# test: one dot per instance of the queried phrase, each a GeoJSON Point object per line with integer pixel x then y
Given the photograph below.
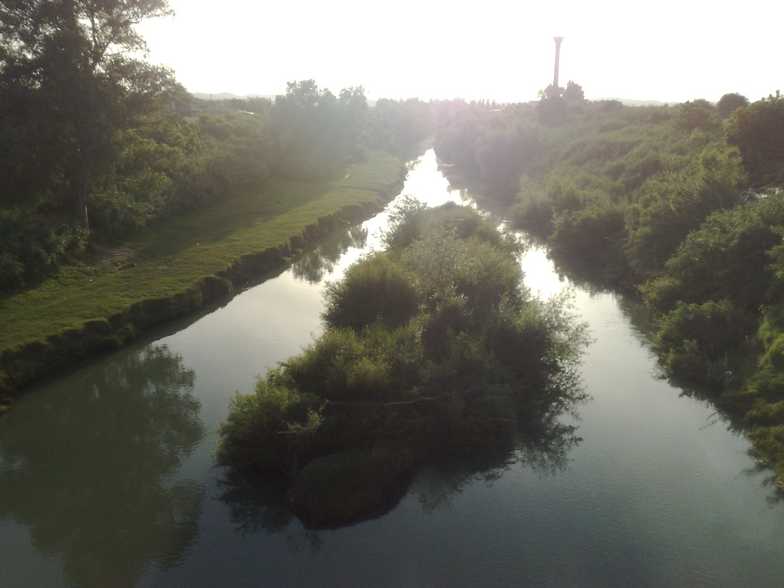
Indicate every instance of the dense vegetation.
{"type": "Point", "coordinates": [166, 165]}
{"type": "Point", "coordinates": [431, 347]}
{"type": "Point", "coordinates": [93, 148]}
{"type": "Point", "coordinates": [679, 205]}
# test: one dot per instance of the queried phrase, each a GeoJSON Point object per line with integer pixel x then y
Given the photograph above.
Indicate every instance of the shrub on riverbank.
{"type": "Point", "coordinates": [386, 391]}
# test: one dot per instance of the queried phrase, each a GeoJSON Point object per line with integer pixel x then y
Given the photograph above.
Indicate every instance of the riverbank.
{"type": "Point", "coordinates": [108, 481]}
{"type": "Point", "coordinates": [172, 270]}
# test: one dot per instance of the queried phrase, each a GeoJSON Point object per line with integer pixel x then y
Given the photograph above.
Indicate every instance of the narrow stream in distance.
{"type": "Point", "coordinates": [107, 476]}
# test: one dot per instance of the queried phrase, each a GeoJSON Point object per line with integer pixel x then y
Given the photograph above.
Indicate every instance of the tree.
{"type": "Point", "coordinates": [551, 92]}
{"type": "Point", "coordinates": [697, 114]}
{"type": "Point", "coordinates": [552, 106]}
{"type": "Point", "coordinates": [758, 132]}
{"type": "Point", "coordinates": [315, 133]}
{"type": "Point", "coordinates": [67, 72]}
{"type": "Point", "coordinates": [729, 103]}
{"type": "Point", "coordinates": [573, 93]}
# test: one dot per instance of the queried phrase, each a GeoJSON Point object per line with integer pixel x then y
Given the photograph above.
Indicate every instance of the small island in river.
{"type": "Point", "coordinates": [432, 347]}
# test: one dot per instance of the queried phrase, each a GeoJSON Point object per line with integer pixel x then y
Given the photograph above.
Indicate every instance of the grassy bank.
{"type": "Point", "coordinates": [173, 269]}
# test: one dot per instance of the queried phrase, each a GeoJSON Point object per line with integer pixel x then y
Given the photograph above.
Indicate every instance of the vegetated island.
{"type": "Point", "coordinates": [680, 207]}
{"type": "Point", "coordinates": [432, 347]}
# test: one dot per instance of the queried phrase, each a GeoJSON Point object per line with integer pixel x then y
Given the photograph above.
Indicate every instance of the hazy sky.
{"type": "Point", "coordinates": [668, 50]}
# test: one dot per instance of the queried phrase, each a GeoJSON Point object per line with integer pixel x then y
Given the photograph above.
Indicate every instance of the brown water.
{"type": "Point", "coordinates": [107, 476]}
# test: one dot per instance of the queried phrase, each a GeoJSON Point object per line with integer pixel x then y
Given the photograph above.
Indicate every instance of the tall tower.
{"type": "Point", "coordinates": [557, 59]}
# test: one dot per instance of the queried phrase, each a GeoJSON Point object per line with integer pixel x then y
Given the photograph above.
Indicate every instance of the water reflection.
{"type": "Point", "coordinates": [258, 503]}
{"type": "Point", "coordinates": [643, 328]}
{"type": "Point", "coordinates": [313, 266]}
{"type": "Point", "coordinates": [88, 470]}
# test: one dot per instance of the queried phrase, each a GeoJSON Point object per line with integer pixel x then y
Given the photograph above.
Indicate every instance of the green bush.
{"type": "Point", "coordinates": [533, 210]}
{"type": "Point", "coordinates": [697, 340]}
{"type": "Point", "coordinates": [270, 428]}
{"type": "Point", "coordinates": [33, 246]}
{"type": "Point", "coordinates": [731, 102]}
{"type": "Point", "coordinates": [376, 364]}
{"type": "Point", "coordinates": [672, 205]}
{"type": "Point", "coordinates": [375, 289]}
{"type": "Point", "coordinates": [698, 114]}
{"type": "Point", "coordinates": [728, 257]}
{"type": "Point", "coordinates": [758, 132]}
{"type": "Point", "coordinates": [592, 234]}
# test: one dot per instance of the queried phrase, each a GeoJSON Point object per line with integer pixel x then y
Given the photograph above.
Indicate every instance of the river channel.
{"type": "Point", "coordinates": [107, 476]}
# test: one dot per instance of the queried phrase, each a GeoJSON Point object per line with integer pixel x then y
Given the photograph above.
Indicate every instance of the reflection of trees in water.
{"type": "Point", "coordinates": [546, 454]}
{"type": "Point", "coordinates": [256, 503]}
{"type": "Point", "coordinates": [769, 481]}
{"type": "Point", "coordinates": [88, 468]}
{"type": "Point", "coordinates": [644, 327]}
{"type": "Point", "coordinates": [322, 260]}
{"type": "Point", "coordinates": [259, 503]}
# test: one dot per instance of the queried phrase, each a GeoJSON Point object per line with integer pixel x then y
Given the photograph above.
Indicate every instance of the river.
{"type": "Point", "coordinates": [107, 476]}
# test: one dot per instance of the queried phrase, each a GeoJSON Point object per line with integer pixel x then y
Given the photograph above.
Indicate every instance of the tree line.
{"type": "Point", "coordinates": [679, 206]}
{"type": "Point", "coordinates": [92, 150]}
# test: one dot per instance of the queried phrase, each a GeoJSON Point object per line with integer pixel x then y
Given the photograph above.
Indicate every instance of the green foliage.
{"type": "Point", "coordinates": [411, 220]}
{"type": "Point", "coordinates": [173, 269]}
{"type": "Point", "coordinates": [728, 257]}
{"type": "Point", "coordinates": [533, 210]}
{"type": "Point", "coordinates": [697, 340]}
{"type": "Point", "coordinates": [374, 289]}
{"type": "Point", "coordinates": [698, 114]}
{"type": "Point", "coordinates": [672, 205]}
{"type": "Point", "coordinates": [447, 265]}
{"type": "Point", "coordinates": [269, 428]}
{"type": "Point", "coordinates": [476, 360]}
{"type": "Point", "coordinates": [729, 103]}
{"type": "Point", "coordinates": [322, 496]}
{"type": "Point", "coordinates": [658, 199]}
{"type": "Point", "coordinates": [314, 134]}
{"type": "Point", "coordinates": [400, 126]}
{"type": "Point", "coordinates": [376, 364]}
{"type": "Point", "coordinates": [66, 70]}
{"type": "Point", "coordinates": [489, 146]}
{"type": "Point", "coordinates": [591, 234]}
{"type": "Point", "coordinates": [33, 247]}
{"type": "Point", "coordinates": [758, 132]}
{"type": "Point", "coordinates": [763, 390]}
{"type": "Point", "coordinates": [551, 109]}
{"type": "Point", "coordinates": [151, 165]}
{"type": "Point", "coordinates": [573, 93]}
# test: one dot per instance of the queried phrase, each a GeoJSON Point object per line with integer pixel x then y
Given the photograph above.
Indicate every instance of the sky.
{"type": "Point", "coordinates": [668, 50]}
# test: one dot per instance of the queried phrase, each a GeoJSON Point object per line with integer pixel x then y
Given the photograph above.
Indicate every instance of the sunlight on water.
{"type": "Point", "coordinates": [540, 276]}
{"type": "Point", "coordinates": [432, 189]}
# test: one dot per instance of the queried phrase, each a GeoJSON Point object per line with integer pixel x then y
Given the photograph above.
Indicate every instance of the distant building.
{"type": "Point", "coordinates": [557, 59]}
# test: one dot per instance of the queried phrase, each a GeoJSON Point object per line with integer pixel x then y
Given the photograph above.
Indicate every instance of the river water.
{"type": "Point", "coordinates": [107, 476]}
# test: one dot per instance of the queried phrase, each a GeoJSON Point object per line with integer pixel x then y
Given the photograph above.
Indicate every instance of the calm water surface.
{"type": "Point", "coordinates": [107, 476]}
